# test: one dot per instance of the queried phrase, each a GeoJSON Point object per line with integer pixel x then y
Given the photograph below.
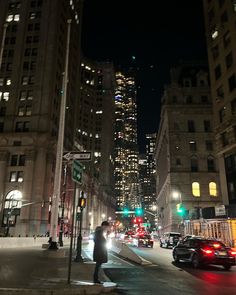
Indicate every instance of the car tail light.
{"type": "Point", "coordinates": [216, 246]}
{"type": "Point", "coordinates": [207, 251]}
{"type": "Point", "coordinates": [232, 252]}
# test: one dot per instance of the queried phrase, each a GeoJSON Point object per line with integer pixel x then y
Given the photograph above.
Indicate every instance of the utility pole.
{"type": "Point", "coordinates": [59, 154]}
{"type": "Point", "coordinates": [63, 207]}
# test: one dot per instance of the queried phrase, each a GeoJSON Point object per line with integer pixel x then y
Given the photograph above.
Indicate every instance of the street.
{"type": "Point", "coordinates": [164, 277]}
{"type": "Point", "coordinates": [29, 267]}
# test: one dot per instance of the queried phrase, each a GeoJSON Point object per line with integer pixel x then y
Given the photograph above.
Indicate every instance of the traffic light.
{"type": "Point", "coordinates": [180, 209]}
{"type": "Point", "coordinates": [82, 201]}
{"type": "Point", "coordinates": [126, 211]}
{"type": "Point", "coordinates": [138, 211]}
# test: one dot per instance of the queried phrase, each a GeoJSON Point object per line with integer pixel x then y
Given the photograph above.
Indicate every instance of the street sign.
{"type": "Point", "coordinates": [82, 156]}
{"type": "Point", "coordinates": [220, 210]}
{"type": "Point", "coordinates": [77, 170]}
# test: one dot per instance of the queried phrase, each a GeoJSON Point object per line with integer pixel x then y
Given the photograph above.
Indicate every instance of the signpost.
{"type": "Point", "coordinates": [82, 156]}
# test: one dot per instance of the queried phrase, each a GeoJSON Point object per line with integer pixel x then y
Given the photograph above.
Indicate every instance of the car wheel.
{"type": "Point", "coordinates": [161, 245]}
{"type": "Point", "coordinates": [227, 266]}
{"type": "Point", "coordinates": [175, 256]}
{"type": "Point", "coordinates": [167, 245]}
{"type": "Point", "coordinates": [195, 261]}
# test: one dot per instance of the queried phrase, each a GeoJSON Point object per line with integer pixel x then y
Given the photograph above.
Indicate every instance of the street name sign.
{"type": "Point", "coordinates": [82, 156]}
{"type": "Point", "coordinates": [77, 170]}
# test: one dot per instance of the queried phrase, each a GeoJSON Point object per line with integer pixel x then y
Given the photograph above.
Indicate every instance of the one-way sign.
{"type": "Point", "coordinates": [82, 156]}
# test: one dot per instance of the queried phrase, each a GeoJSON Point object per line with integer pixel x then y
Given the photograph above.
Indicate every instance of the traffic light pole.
{"type": "Point", "coordinates": [79, 257]}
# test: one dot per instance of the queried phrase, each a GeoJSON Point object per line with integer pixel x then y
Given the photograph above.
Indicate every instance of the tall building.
{"type": "Point", "coordinates": [126, 149]}
{"type": "Point", "coordinates": [150, 200]}
{"type": "Point", "coordinates": [220, 18]}
{"type": "Point", "coordinates": [96, 132]}
{"type": "Point", "coordinates": [33, 38]}
{"type": "Point", "coordinates": [186, 167]}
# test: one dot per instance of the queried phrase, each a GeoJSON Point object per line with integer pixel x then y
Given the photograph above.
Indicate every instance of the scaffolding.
{"type": "Point", "coordinates": [220, 229]}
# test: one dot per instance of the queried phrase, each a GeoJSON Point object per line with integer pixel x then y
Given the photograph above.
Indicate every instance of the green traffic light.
{"type": "Point", "coordinates": [138, 211]}
{"type": "Point", "coordinates": [126, 211]}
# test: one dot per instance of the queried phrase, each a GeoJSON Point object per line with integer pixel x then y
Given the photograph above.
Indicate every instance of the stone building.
{"type": "Point", "coordinates": [186, 167]}
{"type": "Point", "coordinates": [220, 18]}
{"type": "Point", "coordinates": [33, 36]}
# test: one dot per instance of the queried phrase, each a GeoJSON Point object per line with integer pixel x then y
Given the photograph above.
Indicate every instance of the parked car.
{"type": "Point", "coordinates": [143, 240]}
{"type": "Point", "coordinates": [169, 239]}
{"type": "Point", "coordinates": [200, 251]}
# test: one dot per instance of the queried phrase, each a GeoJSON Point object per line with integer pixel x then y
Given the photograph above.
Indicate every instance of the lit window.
{"type": "Point", "coordinates": [196, 189]}
{"type": "Point", "coordinates": [4, 96]}
{"type": "Point", "coordinates": [23, 95]}
{"type": "Point", "coordinates": [25, 80]}
{"type": "Point", "coordinates": [13, 176]}
{"type": "Point", "coordinates": [214, 34]}
{"type": "Point", "coordinates": [16, 17]}
{"type": "Point", "coordinates": [212, 189]}
{"type": "Point", "coordinates": [9, 18]}
{"type": "Point", "coordinates": [8, 81]}
{"type": "Point", "coordinates": [28, 111]}
{"type": "Point", "coordinates": [21, 111]}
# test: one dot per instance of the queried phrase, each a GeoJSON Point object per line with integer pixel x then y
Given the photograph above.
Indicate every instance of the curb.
{"type": "Point", "coordinates": [73, 290]}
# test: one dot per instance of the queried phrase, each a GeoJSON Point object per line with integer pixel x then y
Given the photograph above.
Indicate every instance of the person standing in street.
{"type": "Point", "coordinates": [100, 249]}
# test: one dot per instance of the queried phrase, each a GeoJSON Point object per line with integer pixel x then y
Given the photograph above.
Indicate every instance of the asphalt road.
{"type": "Point", "coordinates": [165, 277]}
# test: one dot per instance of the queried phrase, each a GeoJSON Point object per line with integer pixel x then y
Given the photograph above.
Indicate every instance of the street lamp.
{"type": "Point", "coordinates": [59, 154]}
{"type": "Point", "coordinates": [177, 196]}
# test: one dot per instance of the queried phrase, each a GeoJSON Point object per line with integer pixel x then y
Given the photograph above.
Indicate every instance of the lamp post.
{"type": "Point", "coordinates": [59, 154]}
{"type": "Point", "coordinates": [177, 196]}
{"type": "Point", "coordinates": [62, 208]}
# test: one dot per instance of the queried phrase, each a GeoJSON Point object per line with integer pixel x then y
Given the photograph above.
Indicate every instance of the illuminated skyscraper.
{"type": "Point", "coordinates": [150, 198]}
{"type": "Point", "coordinates": [126, 151]}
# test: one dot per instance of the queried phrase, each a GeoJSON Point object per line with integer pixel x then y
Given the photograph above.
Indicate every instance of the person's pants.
{"type": "Point", "coordinates": [96, 270]}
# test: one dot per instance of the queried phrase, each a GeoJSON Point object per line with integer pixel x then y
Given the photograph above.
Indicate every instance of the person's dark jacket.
{"type": "Point", "coordinates": [100, 249]}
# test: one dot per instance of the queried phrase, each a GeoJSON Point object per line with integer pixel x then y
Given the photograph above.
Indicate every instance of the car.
{"type": "Point", "coordinates": [201, 251]}
{"type": "Point", "coordinates": [169, 239]}
{"type": "Point", "coordinates": [128, 237]}
{"type": "Point", "coordinates": [143, 240]}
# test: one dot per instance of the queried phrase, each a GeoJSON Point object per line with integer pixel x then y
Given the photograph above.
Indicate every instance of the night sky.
{"type": "Point", "coordinates": [158, 37]}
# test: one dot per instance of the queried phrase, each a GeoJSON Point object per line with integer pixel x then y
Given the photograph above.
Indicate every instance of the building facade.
{"type": "Point", "coordinates": [96, 134]}
{"type": "Point", "coordinates": [150, 201]}
{"type": "Point", "coordinates": [220, 17]}
{"type": "Point", "coordinates": [33, 36]}
{"type": "Point", "coordinates": [186, 167]}
{"type": "Point", "coordinates": [126, 148]}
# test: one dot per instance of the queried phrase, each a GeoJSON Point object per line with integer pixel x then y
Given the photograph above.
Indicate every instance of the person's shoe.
{"type": "Point", "coordinates": [97, 282]}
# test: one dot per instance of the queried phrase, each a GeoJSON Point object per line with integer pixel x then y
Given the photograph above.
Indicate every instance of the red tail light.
{"type": "Point", "coordinates": [207, 251]}
{"type": "Point", "coordinates": [232, 252]}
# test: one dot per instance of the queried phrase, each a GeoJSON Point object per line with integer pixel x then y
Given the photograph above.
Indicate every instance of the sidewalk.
{"type": "Point", "coordinates": [40, 271]}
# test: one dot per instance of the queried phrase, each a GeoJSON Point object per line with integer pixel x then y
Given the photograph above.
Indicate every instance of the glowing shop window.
{"type": "Point", "coordinates": [212, 189]}
{"type": "Point", "coordinates": [196, 189]}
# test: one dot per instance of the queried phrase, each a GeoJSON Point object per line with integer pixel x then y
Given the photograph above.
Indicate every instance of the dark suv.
{"type": "Point", "coordinates": [200, 251]}
{"type": "Point", "coordinates": [169, 239]}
